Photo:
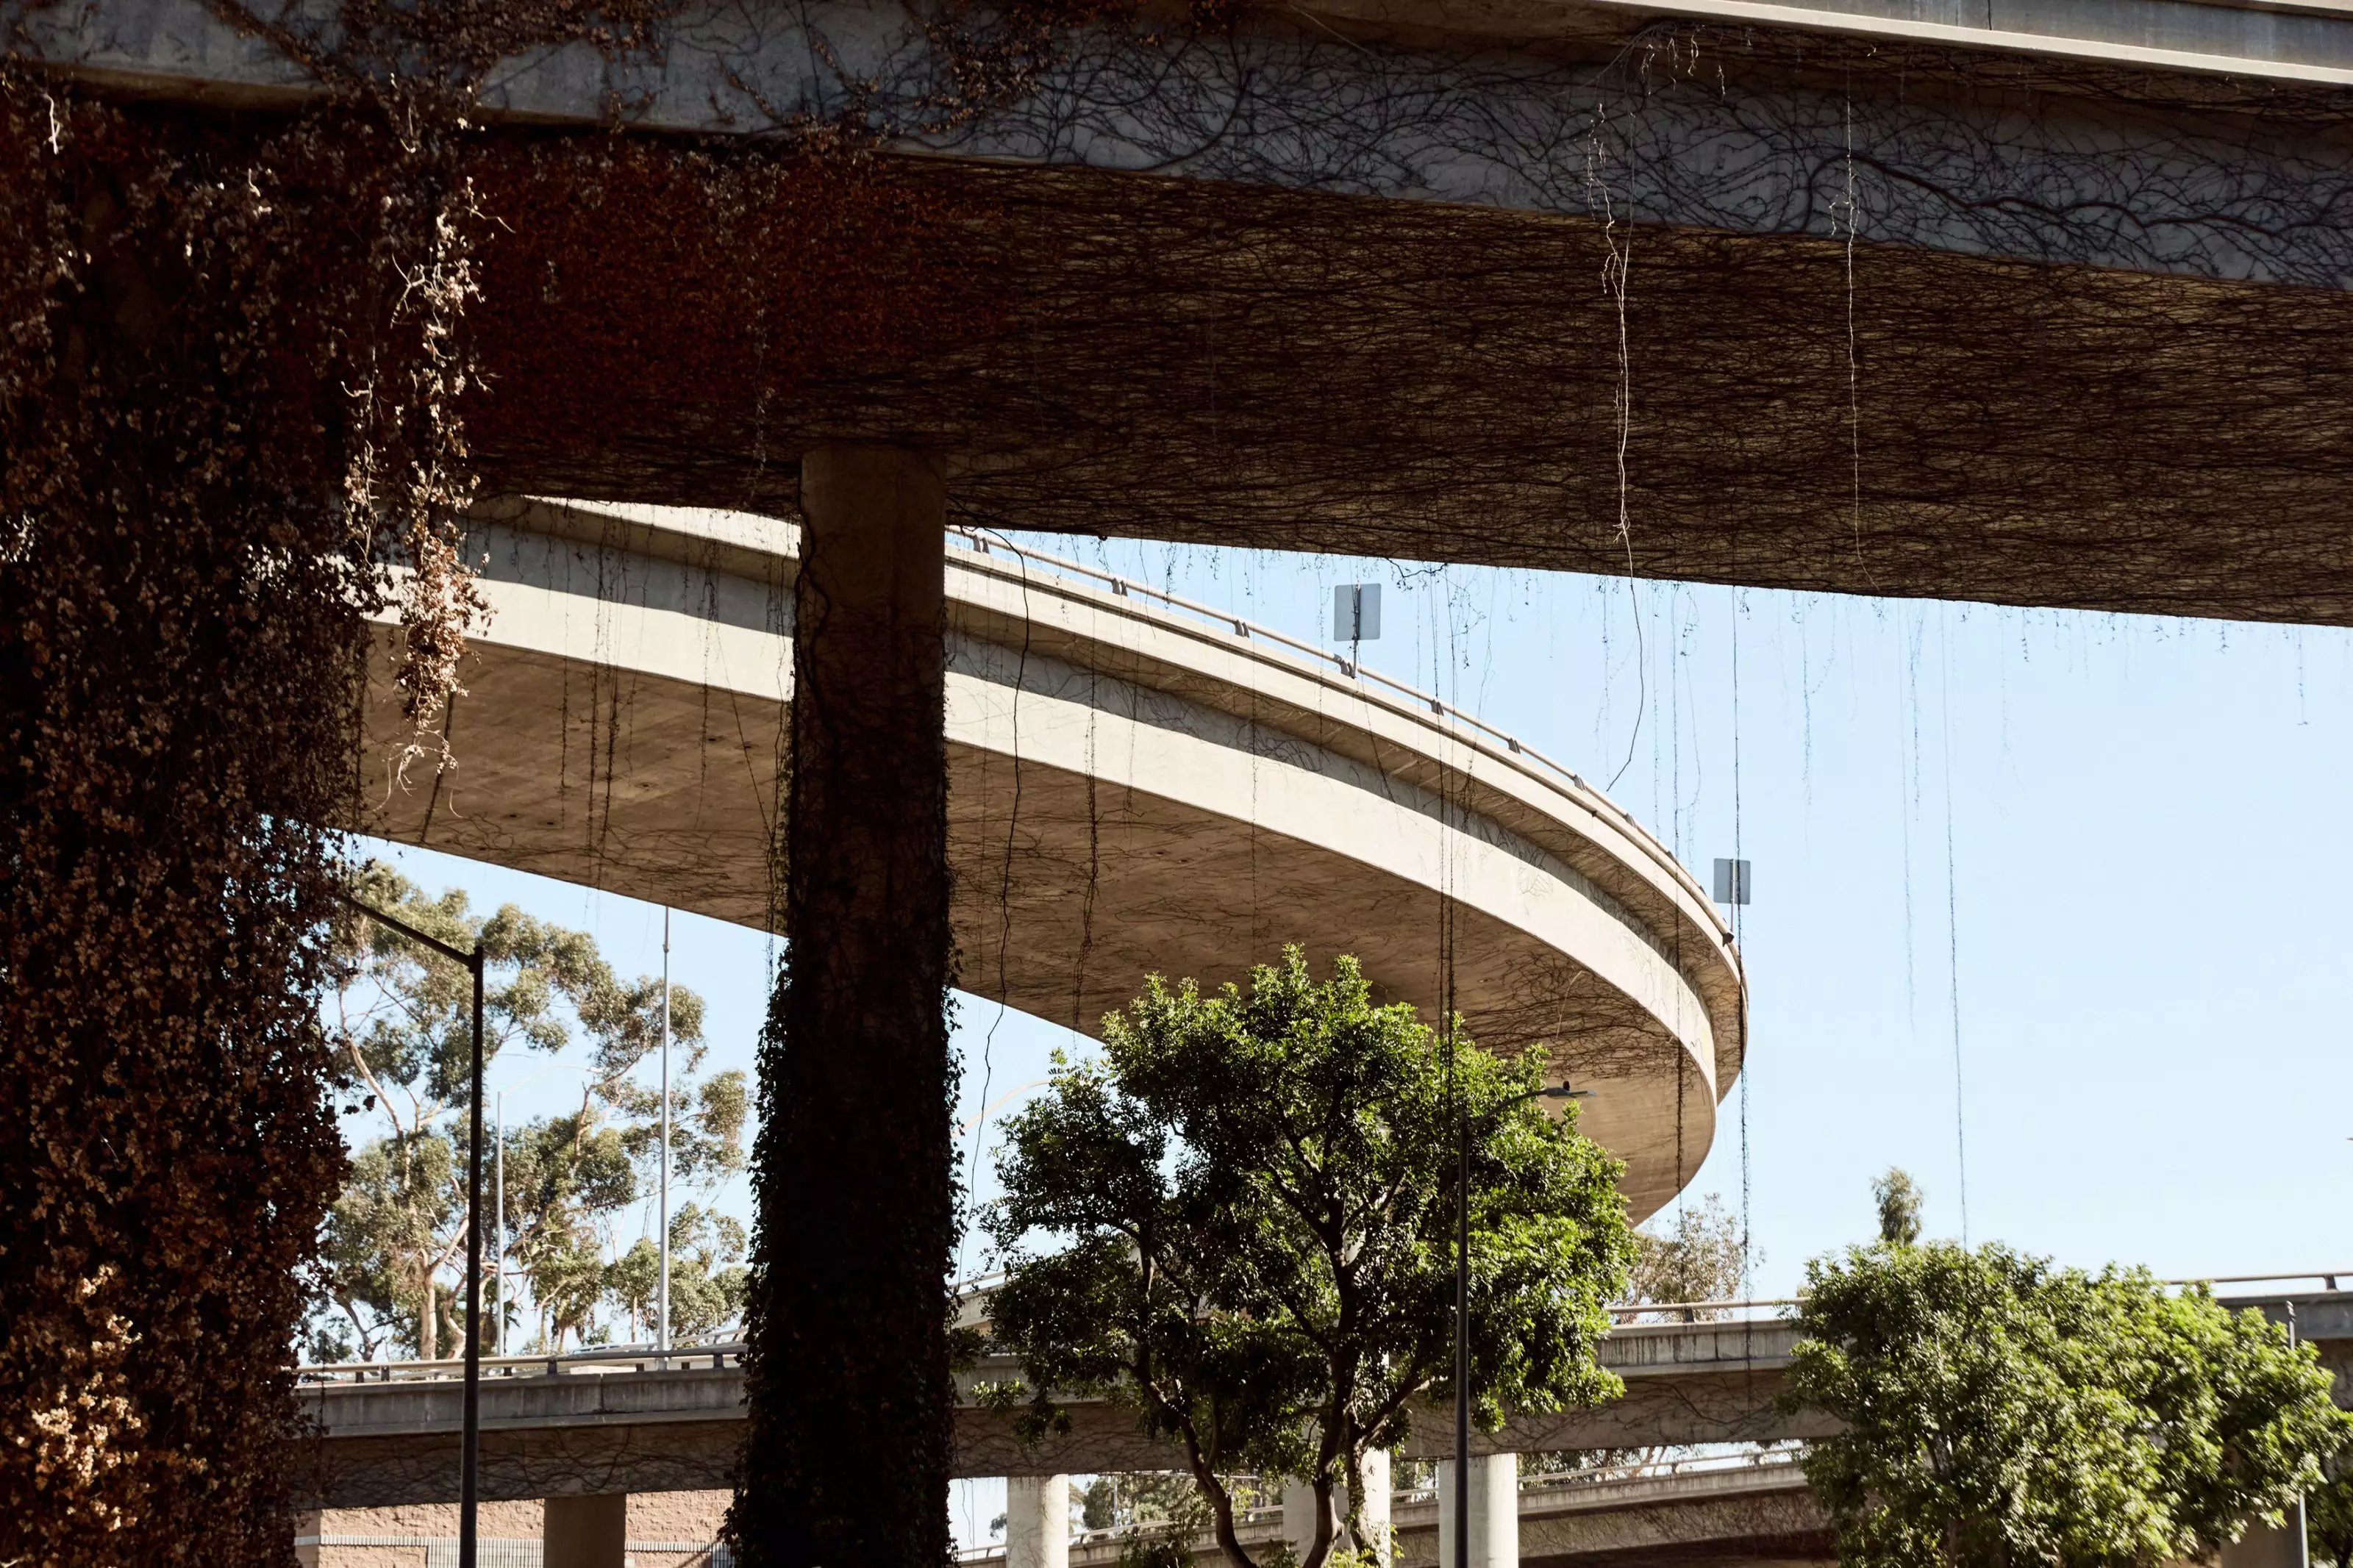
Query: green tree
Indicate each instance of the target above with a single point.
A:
(1700, 1256)
(402, 1019)
(2001, 1411)
(1899, 1199)
(2329, 1513)
(706, 1274)
(1240, 1223)
(1697, 1256)
(1160, 1513)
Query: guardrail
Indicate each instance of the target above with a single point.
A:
(1633, 1313)
(986, 544)
(602, 1358)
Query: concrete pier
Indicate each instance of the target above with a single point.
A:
(1037, 1521)
(1495, 1487)
(850, 1403)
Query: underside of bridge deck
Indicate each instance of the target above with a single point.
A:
(1214, 364)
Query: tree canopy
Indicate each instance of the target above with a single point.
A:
(1239, 1222)
(2002, 1412)
(1899, 1199)
(401, 1018)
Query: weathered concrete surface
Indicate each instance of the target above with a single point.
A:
(393, 1443)
(675, 1430)
(1754, 1516)
(1894, 318)
(1131, 790)
(1507, 105)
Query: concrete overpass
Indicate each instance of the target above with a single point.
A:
(574, 1430)
(1749, 1510)
(1897, 297)
(613, 1423)
(1133, 787)
(2040, 304)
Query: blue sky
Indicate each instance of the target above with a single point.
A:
(2130, 834)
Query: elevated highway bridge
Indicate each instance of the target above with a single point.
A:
(620, 1422)
(579, 1432)
(2028, 301)
(1135, 786)
(2034, 302)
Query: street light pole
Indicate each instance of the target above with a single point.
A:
(469, 1449)
(1461, 1335)
(1462, 1521)
(499, 1213)
(469, 1456)
(661, 1332)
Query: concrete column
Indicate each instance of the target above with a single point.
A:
(1299, 1518)
(1495, 1512)
(1378, 1488)
(1037, 1521)
(849, 1406)
(1299, 1510)
(2281, 1545)
(585, 1531)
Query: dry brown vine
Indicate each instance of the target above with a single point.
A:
(181, 657)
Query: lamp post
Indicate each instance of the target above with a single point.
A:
(499, 1214)
(471, 1445)
(661, 1332)
(1463, 1303)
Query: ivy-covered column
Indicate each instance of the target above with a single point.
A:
(192, 324)
(850, 1401)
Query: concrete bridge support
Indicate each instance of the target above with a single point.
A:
(1037, 1521)
(2270, 1546)
(1495, 1486)
(1298, 1511)
(1379, 1491)
(850, 1405)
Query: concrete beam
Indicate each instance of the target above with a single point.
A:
(1410, 100)
(1888, 318)
(591, 1431)
(656, 1430)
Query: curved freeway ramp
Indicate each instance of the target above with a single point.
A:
(1135, 787)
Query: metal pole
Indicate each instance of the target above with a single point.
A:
(661, 1332)
(470, 1452)
(2299, 1543)
(498, 1203)
(1461, 1333)
(1462, 1299)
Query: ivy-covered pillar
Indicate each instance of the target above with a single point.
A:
(189, 316)
(850, 1403)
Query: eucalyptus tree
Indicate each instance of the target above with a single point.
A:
(1240, 1223)
(1699, 1254)
(706, 1274)
(1899, 1199)
(400, 1019)
(2001, 1411)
